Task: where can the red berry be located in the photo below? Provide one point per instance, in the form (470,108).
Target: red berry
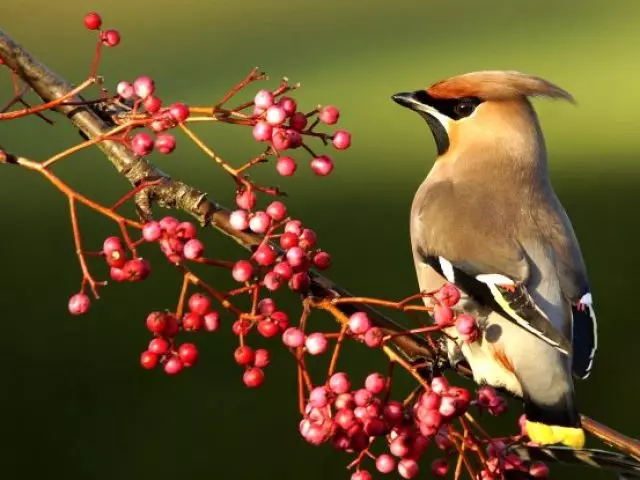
(295,256)
(361,475)
(158,346)
(322,260)
(322,165)
(191,322)
(241,327)
(179,112)
(188,353)
(465,324)
(267,328)
(440,385)
(116,258)
(151,231)
(308,239)
(293,226)
(152,104)
(212,321)
(262,358)
(165,143)
(244,355)
(262,131)
(265,255)
(199,303)
(267,306)
(329,114)
(316,344)
(281,139)
(272,281)
(137,269)
(156,322)
(298,121)
(373,337)
(448,295)
(246,199)
(288,240)
(242,271)
(283,270)
(111,38)
(339,383)
(289,105)
(172,327)
(281,319)
(79,304)
(142,144)
(286,166)
(385,463)
(263,99)
(92,21)
(375,383)
(253,377)
(148,360)
(300,282)
(442,315)
(439,467)
(144,86)
(341,140)
(173,366)
(408,468)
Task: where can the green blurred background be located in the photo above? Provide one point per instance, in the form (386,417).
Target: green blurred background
(75,403)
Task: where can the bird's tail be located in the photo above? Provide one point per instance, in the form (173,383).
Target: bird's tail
(625,466)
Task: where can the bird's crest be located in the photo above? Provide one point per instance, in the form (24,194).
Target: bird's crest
(497,85)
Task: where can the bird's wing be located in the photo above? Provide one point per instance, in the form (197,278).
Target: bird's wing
(574,283)
(503,291)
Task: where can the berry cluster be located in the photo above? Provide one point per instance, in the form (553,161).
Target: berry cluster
(178,240)
(93,21)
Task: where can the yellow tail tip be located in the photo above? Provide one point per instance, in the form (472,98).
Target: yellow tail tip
(550,434)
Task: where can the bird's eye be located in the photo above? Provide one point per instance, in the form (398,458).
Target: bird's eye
(464,107)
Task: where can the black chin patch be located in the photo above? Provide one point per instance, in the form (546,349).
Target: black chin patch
(439,133)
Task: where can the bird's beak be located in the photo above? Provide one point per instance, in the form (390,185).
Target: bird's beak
(407,99)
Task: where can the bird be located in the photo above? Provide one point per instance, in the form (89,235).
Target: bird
(487,219)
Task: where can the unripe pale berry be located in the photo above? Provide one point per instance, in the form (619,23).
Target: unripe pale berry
(275,115)
(262,131)
(322,165)
(293,337)
(242,271)
(165,143)
(151,231)
(239,220)
(79,304)
(263,99)
(329,114)
(144,86)
(211,321)
(286,166)
(316,343)
(125,90)
(359,323)
(142,144)
(193,249)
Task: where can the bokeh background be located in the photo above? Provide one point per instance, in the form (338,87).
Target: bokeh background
(75,403)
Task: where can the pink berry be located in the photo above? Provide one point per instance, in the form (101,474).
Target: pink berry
(211,321)
(440,385)
(374,383)
(293,226)
(186,230)
(341,140)
(253,377)
(361,475)
(385,463)
(199,303)
(111,38)
(300,282)
(262,358)
(246,199)
(339,383)
(408,468)
(244,355)
(289,105)
(465,324)
(308,239)
(151,231)
(242,271)
(272,281)
(262,131)
(239,220)
(241,327)
(137,269)
(362,397)
(442,315)
(79,304)
(92,21)
(125,90)
(281,139)
(322,260)
(295,256)
(188,353)
(359,323)
(265,255)
(148,360)
(277,210)
(152,104)
(439,467)
(322,165)
(329,114)
(193,249)
(144,86)
(318,397)
(448,295)
(316,343)
(373,337)
(293,337)
(298,121)
(283,270)
(173,366)
(263,99)
(165,143)
(266,306)
(142,144)
(158,346)
(275,115)
(179,112)
(286,166)
(169,224)
(112,244)
(260,222)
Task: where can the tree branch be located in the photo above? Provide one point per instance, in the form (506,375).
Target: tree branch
(169,193)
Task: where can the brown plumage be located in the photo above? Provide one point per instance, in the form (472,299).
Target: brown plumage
(497,85)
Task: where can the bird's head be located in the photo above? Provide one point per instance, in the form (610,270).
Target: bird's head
(485,106)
